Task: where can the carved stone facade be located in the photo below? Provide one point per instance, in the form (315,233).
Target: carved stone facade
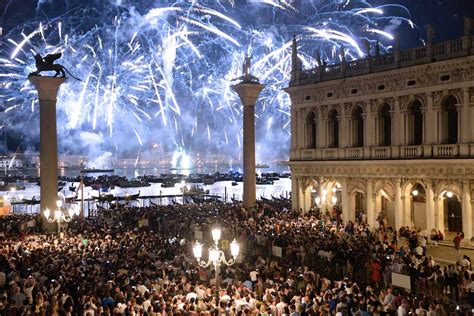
(395,137)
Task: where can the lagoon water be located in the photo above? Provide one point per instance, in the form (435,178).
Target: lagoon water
(224,189)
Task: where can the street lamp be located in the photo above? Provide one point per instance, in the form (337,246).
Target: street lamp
(59,216)
(322,201)
(216,258)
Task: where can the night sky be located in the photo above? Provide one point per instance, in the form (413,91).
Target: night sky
(444,15)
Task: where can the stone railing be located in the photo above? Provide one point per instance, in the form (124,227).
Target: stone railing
(354,153)
(411,151)
(394,60)
(442,151)
(381,152)
(386,152)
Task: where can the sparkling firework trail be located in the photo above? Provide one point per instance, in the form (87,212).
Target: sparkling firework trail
(162,74)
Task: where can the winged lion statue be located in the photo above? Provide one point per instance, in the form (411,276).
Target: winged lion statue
(46,64)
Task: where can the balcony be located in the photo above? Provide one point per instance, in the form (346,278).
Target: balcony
(447,151)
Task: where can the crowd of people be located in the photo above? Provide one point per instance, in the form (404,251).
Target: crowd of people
(139,261)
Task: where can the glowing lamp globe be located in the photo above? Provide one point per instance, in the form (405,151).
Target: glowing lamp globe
(234,248)
(197,250)
(216,234)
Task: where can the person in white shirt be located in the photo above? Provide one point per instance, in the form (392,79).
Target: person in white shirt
(420,310)
(403,308)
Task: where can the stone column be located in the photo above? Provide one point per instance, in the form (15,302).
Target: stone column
(47,93)
(439,208)
(430,121)
(466,210)
(465,125)
(321,132)
(299,195)
(346,202)
(248,93)
(294,193)
(398,204)
(370,203)
(294,134)
(430,206)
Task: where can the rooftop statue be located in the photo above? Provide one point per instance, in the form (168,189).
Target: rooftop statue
(246,76)
(46,64)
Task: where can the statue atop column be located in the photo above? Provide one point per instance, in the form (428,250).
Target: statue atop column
(46,63)
(430,34)
(246,76)
(467,26)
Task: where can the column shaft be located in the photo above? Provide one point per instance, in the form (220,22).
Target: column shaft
(250,186)
(346,203)
(398,205)
(466,210)
(430,207)
(370,203)
(47,88)
(294,193)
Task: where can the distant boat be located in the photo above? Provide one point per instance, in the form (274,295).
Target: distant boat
(262,166)
(93,170)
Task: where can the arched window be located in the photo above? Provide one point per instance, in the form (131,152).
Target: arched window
(449,116)
(415,124)
(385,126)
(311,131)
(333,129)
(357,127)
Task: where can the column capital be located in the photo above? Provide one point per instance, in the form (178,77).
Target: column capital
(47,87)
(248,92)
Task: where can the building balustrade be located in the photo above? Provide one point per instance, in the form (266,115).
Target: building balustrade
(394,60)
(386,152)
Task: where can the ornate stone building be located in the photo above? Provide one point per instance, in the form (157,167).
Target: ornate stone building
(389,136)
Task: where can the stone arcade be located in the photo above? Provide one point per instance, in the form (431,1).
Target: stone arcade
(389,136)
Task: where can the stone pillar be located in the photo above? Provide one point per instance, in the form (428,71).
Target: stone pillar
(430,206)
(294,134)
(429,125)
(346,202)
(321,132)
(47,88)
(248,93)
(307,199)
(465,129)
(302,129)
(439,208)
(398,204)
(294,193)
(370,203)
(397,124)
(299,196)
(466,210)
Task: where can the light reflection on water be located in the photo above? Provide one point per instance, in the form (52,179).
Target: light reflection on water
(224,189)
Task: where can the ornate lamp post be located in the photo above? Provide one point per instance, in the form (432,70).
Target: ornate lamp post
(322,200)
(59,216)
(216,258)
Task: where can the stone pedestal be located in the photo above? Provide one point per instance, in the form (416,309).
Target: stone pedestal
(47,93)
(248,93)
